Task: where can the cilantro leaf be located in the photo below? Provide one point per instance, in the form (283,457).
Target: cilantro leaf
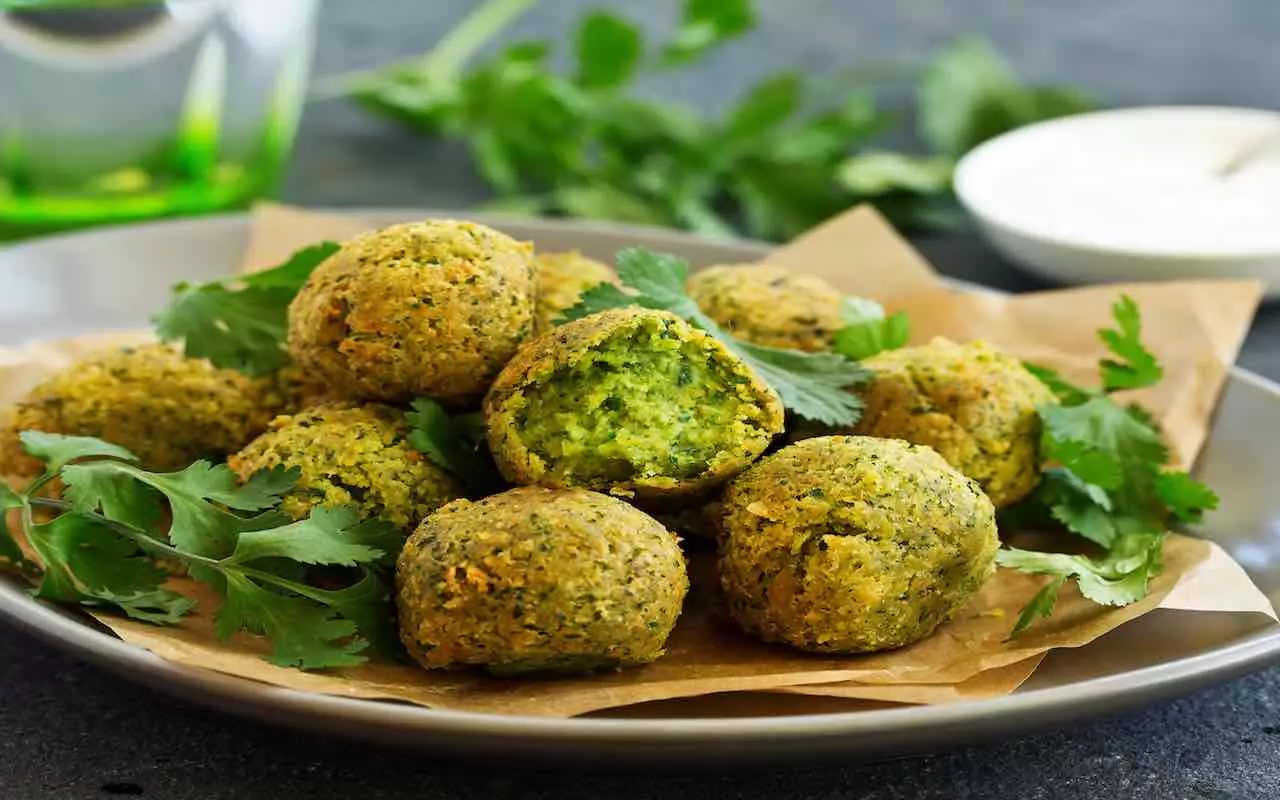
(240,322)
(55,449)
(321,538)
(1067,393)
(873,173)
(768,105)
(293,273)
(868,331)
(303,633)
(599,200)
(9,550)
(1186,498)
(455,444)
(1081,507)
(1134,366)
(203,499)
(1119,578)
(118,495)
(243,330)
(1086,465)
(1105,478)
(609,50)
(659,279)
(101,548)
(368,603)
(156,606)
(969,94)
(1099,426)
(705,24)
(1116,579)
(1039,606)
(812,385)
(85,561)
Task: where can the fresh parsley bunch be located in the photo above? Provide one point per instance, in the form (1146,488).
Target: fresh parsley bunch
(1106,480)
(104,540)
(790,153)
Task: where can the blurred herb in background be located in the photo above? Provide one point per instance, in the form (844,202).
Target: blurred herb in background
(792,152)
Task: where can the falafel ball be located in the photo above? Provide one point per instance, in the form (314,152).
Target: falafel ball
(351,455)
(538,579)
(631,401)
(562,278)
(432,308)
(169,410)
(15,464)
(849,544)
(293,389)
(769,306)
(972,403)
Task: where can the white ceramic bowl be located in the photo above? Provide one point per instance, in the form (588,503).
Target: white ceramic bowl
(1130,195)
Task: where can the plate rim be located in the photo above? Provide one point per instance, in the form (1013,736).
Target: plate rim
(72,631)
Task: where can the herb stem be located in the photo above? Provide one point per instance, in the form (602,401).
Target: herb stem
(26,566)
(140,537)
(309,592)
(444,62)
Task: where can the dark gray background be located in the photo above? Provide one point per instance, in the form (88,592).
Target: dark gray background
(68,730)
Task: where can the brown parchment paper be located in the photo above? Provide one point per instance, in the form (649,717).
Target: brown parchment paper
(989,683)
(705,654)
(967,658)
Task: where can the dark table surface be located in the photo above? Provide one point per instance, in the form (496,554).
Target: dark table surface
(68,730)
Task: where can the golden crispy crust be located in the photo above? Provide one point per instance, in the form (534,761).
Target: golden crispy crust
(167,409)
(350,455)
(972,403)
(769,305)
(431,308)
(562,278)
(539,579)
(845,544)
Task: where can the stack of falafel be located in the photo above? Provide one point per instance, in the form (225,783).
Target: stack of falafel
(850,542)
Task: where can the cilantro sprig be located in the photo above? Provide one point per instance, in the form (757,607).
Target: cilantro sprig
(456,444)
(104,541)
(1106,480)
(868,330)
(812,385)
(240,322)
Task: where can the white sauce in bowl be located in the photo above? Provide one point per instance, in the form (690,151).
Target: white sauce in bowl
(1138,180)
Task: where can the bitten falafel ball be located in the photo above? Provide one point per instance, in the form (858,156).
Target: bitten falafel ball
(769,305)
(631,401)
(848,544)
(432,308)
(169,410)
(538,579)
(972,403)
(351,455)
(562,278)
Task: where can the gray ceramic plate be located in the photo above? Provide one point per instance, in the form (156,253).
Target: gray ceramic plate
(115,278)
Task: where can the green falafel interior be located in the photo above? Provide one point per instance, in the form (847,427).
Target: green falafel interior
(186,563)
(813,386)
